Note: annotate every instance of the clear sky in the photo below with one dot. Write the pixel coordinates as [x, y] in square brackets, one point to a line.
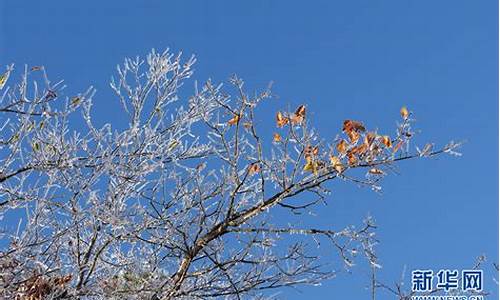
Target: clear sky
[346, 59]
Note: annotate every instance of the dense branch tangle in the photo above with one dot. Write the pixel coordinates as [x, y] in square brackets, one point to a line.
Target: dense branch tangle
[179, 203]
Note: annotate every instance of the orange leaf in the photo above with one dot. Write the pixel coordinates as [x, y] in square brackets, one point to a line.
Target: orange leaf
[351, 125]
[386, 140]
[296, 119]
[310, 151]
[353, 136]
[351, 159]
[234, 120]
[342, 147]
[301, 111]
[277, 137]
[254, 169]
[315, 151]
[299, 115]
[369, 138]
[336, 163]
[281, 120]
[361, 149]
[404, 112]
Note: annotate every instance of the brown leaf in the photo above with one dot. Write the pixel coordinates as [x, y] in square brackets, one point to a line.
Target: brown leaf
[311, 151]
[359, 150]
[386, 140]
[62, 280]
[277, 137]
[299, 115]
[301, 111]
[336, 163]
[234, 120]
[352, 159]
[369, 138]
[342, 146]
[281, 120]
[353, 136]
[315, 151]
[254, 169]
[351, 125]
[296, 120]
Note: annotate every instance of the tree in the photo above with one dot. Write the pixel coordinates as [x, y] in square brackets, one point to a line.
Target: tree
[179, 204]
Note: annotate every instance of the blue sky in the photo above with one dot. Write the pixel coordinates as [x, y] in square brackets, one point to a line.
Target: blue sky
[345, 59]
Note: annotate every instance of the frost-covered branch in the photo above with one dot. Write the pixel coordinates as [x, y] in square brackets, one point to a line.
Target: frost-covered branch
[177, 199]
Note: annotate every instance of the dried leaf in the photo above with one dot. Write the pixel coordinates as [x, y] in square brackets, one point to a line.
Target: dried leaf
[386, 140]
[277, 137]
[359, 150]
[281, 120]
[311, 166]
[336, 163]
[369, 138]
[311, 151]
[404, 112]
[342, 146]
[315, 151]
[296, 120]
[351, 125]
[62, 280]
[352, 159]
[353, 136]
[234, 120]
[299, 115]
[254, 169]
[301, 111]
